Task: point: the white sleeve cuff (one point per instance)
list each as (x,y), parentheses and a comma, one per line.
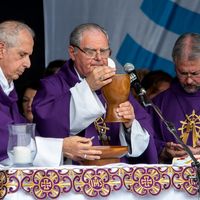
(49,152)
(139,139)
(85,107)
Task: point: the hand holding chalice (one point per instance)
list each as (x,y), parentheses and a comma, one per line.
(115,93)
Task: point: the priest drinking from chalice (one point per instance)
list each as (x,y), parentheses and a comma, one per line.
(71,105)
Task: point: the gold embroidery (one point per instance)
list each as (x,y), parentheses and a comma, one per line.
(190,125)
(98,182)
(101,127)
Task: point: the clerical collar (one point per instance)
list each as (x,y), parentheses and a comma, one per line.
(6,87)
(79,77)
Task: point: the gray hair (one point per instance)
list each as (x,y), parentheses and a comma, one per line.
(76,34)
(187,46)
(9,31)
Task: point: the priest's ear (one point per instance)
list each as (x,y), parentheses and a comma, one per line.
(2,49)
(72,52)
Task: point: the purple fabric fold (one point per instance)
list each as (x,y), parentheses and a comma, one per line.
(9,114)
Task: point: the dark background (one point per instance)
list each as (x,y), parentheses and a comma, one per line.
(31,13)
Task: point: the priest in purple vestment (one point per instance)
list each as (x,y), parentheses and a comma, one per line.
(16,46)
(180,103)
(70,102)
(13,62)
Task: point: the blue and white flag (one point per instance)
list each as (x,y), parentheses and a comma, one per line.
(141,32)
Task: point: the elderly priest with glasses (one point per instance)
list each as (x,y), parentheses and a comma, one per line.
(70,103)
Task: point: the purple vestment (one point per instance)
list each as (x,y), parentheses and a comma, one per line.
(51,112)
(9,114)
(180,108)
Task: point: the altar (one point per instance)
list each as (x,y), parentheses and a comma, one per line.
(116,181)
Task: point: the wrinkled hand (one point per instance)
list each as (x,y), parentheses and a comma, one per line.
(126,111)
(75,148)
(195,150)
(100,76)
(172,150)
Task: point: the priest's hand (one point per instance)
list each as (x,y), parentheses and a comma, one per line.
(172,150)
(126,111)
(100,76)
(79,148)
(195,150)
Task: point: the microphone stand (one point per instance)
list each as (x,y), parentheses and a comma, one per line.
(146,102)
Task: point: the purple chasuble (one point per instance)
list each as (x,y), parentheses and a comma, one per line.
(180,108)
(51,112)
(9,114)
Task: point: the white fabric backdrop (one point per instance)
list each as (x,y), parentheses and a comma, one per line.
(141,31)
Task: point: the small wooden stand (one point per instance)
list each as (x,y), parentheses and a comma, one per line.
(110,154)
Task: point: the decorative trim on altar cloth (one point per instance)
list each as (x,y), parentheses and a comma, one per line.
(51,183)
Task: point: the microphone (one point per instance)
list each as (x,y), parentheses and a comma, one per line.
(136,85)
(140,91)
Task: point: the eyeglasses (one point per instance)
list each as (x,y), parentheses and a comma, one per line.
(188,75)
(92,53)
